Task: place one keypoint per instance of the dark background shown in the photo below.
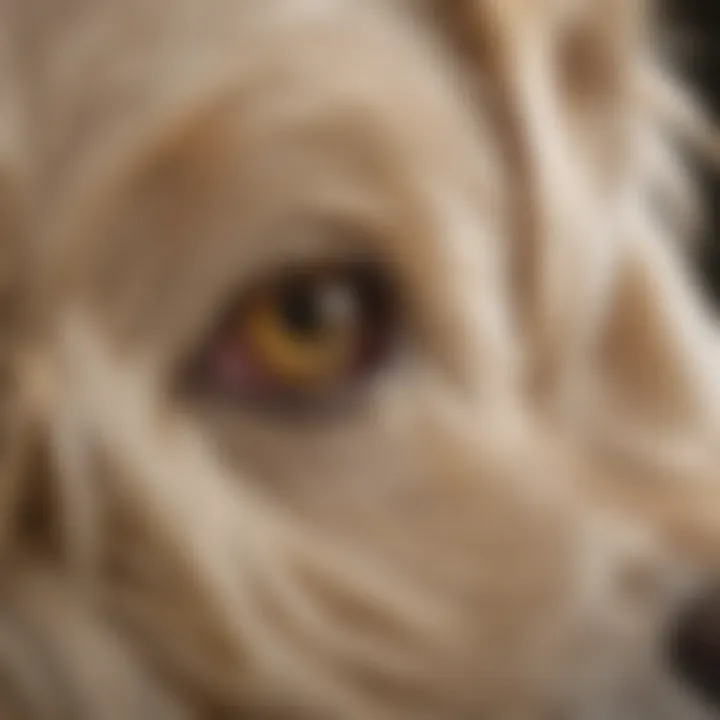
(697, 24)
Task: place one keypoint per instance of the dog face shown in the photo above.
(355, 375)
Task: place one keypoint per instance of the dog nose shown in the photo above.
(695, 646)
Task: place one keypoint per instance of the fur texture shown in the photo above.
(506, 522)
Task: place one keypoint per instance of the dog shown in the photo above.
(352, 364)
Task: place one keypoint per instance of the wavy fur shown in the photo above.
(508, 519)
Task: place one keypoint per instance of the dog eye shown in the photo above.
(304, 335)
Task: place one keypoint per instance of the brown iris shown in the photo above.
(305, 333)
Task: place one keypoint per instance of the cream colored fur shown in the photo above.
(507, 521)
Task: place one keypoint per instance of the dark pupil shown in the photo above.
(305, 307)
